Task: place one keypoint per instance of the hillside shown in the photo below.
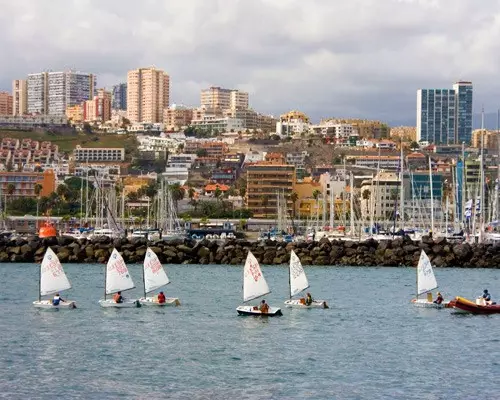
(67, 142)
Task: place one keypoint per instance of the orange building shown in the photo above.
(22, 184)
(265, 180)
(6, 103)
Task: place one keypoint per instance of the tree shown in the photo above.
(293, 198)
(316, 195)
(366, 196)
(201, 153)
(178, 193)
(38, 190)
(414, 146)
(11, 188)
(62, 191)
(264, 199)
(217, 193)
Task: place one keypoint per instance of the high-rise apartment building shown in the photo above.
(148, 94)
(19, 97)
(99, 108)
(37, 93)
(436, 116)
(119, 101)
(463, 116)
(216, 99)
(444, 116)
(52, 92)
(5, 103)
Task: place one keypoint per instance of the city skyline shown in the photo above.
(323, 59)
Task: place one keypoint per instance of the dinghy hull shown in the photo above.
(463, 305)
(47, 304)
(297, 303)
(109, 303)
(153, 301)
(254, 310)
(424, 303)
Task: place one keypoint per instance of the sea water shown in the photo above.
(371, 344)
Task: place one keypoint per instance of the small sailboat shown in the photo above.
(154, 277)
(426, 281)
(298, 282)
(52, 280)
(254, 286)
(117, 279)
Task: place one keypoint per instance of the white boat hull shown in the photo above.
(153, 301)
(48, 304)
(110, 303)
(254, 310)
(296, 303)
(423, 303)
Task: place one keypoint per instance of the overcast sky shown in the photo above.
(328, 58)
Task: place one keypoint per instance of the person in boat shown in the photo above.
(264, 307)
(309, 299)
(439, 298)
(486, 296)
(161, 298)
(118, 298)
(56, 300)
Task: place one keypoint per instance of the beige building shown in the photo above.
(490, 138)
(5, 103)
(404, 132)
(148, 94)
(366, 129)
(99, 153)
(75, 113)
(99, 108)
(216, 100)
(19, 97)
(176, 117)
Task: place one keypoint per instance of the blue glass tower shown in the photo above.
(463, 118)
(436, 116)
(119, 101)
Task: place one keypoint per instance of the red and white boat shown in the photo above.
(463, 305)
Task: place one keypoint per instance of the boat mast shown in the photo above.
(105, 279)
(290, 279)
(351, 190)
(401, 191)
(481, 182)
(40, 282)
(432, 196)
(143, 279)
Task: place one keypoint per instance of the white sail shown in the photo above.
(298, 278)
(154, 274)
(117, 276)
(254, 284)
(426, 281)
(52, 276)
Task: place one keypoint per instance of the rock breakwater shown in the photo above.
(396, 252)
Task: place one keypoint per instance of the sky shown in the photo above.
(327, 58)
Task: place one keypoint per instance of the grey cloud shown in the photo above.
(359, 58)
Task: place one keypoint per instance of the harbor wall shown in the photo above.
(392, 253)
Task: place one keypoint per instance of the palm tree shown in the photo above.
(293, 198)
(217, 193)
(316, 195)
(11, 188)
(178, 193)
(366, 196)
(264, 199)
(38, 189)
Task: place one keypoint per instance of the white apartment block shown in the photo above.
(31, 121)
(292, 127)
(87, 154)
(52, 92)
(211, 123)
(382, 162)
(156, 143)
(217, 99)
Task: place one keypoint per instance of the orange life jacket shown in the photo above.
(116, 298)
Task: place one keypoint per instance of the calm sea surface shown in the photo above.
(372, 344)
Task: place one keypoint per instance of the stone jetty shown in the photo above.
(393, 253)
